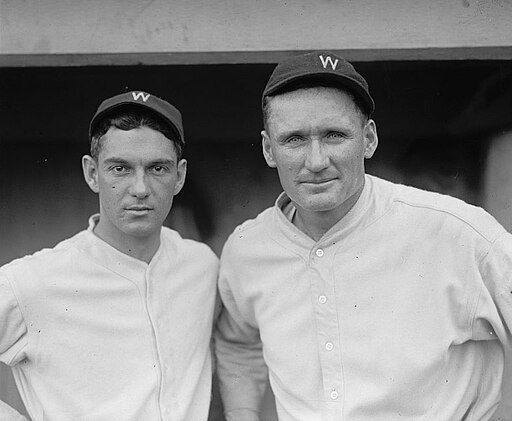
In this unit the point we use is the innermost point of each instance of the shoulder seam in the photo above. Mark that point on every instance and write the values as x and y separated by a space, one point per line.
247 225
464 221
29 257
491 245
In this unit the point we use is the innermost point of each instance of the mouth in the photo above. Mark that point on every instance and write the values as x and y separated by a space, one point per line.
318 181
138 208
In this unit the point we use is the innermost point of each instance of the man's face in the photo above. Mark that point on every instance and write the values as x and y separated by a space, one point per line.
318 140
137 176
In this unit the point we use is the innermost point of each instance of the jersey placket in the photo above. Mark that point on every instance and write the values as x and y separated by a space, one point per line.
154 334
324 304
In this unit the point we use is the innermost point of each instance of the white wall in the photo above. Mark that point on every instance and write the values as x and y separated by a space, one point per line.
249 30
498 180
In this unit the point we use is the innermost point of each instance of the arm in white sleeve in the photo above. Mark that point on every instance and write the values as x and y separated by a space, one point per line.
241 369
12 339
494 307
9 414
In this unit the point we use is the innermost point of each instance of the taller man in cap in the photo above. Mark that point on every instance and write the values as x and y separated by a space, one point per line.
366 300
114 324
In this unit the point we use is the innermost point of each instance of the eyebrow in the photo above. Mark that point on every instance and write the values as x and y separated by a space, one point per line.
162 162
285 134
117 160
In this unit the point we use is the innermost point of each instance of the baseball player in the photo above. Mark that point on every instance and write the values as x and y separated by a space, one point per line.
366 300
114 323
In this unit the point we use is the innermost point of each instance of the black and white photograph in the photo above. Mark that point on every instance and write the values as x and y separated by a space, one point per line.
255 210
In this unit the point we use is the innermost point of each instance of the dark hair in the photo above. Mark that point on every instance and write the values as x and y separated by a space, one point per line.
316 82
129 117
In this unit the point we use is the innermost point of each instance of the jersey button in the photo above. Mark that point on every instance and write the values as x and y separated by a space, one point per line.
334 395
329 346
319 252
322 299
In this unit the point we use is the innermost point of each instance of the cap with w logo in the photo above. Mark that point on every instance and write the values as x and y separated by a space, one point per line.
319 65
165 110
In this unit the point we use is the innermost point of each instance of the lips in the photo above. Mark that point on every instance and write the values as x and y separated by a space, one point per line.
317 181
138 208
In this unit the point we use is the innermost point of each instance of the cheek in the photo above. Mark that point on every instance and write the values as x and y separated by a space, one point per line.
288 162
353 159
165 189
110 192
287 173
112 189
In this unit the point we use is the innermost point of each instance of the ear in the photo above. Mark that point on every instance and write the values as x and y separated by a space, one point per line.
371 139
90 169
267 149
182 173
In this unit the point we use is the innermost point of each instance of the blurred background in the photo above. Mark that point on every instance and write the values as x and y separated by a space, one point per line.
441 77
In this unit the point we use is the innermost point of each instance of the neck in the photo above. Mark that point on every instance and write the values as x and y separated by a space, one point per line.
316 223
141 248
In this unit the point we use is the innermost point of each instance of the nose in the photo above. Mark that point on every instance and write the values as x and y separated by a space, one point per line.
317 158
139 186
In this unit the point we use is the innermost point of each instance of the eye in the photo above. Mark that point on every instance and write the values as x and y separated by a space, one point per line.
158 169
118 169
293 140
335 136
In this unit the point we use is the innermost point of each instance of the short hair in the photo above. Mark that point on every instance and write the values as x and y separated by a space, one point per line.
129 117
315 82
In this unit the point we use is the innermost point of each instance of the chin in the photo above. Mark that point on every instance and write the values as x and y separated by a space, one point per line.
323 208
141 231
320 203
319 206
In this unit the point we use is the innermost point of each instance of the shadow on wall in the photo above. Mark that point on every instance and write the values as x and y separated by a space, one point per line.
443 166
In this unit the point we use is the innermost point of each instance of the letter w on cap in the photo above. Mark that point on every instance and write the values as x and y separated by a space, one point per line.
137 95
328 60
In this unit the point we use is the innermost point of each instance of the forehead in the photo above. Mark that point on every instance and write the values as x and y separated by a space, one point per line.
312 94
318 104
140 143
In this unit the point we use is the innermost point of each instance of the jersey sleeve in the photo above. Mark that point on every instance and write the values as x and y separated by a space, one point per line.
9 414
493 314
12 339
13 331
241 370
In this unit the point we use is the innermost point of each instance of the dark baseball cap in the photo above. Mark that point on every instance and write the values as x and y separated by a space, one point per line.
322 65
165 110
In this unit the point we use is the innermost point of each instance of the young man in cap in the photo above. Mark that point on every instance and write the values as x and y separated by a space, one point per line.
115 322
366 300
